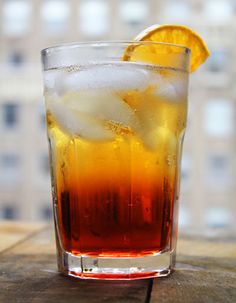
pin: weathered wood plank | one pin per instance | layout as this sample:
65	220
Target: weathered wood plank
13	232
206	272
29	274
210	280
34	279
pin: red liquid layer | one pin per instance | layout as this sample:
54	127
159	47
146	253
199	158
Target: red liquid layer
115	220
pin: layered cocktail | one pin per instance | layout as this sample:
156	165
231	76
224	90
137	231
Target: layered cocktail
115	129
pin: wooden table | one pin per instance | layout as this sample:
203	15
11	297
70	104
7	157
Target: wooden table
28	273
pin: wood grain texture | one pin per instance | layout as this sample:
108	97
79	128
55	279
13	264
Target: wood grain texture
28	273
198	279
34	279
11	233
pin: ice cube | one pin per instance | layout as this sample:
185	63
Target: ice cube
78	123
172	88
128	76
103	105
50	77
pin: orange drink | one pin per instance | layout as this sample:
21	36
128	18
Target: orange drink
116	117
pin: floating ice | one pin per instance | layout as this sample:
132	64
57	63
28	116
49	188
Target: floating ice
50	79
80	124
102	104
86	101
121	76
88	113
172	88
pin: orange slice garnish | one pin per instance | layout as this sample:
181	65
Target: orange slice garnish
174	34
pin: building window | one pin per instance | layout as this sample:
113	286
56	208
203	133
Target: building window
177	11
218	11
16	59
218	61
9	212
55	15
218	163
16	17
219	171
218	217
134	12
46	213
9	169
93	18
219	118
10	115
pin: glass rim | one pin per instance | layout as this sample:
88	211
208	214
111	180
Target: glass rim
74	45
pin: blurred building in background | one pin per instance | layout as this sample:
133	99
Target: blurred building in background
209	162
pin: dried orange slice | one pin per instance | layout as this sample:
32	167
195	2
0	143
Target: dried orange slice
174	34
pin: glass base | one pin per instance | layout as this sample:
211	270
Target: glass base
122	268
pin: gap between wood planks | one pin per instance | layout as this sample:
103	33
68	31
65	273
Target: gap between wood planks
149	291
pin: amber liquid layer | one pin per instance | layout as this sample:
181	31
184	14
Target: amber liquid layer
117	197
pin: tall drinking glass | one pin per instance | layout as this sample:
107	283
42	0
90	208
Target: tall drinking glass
115	128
